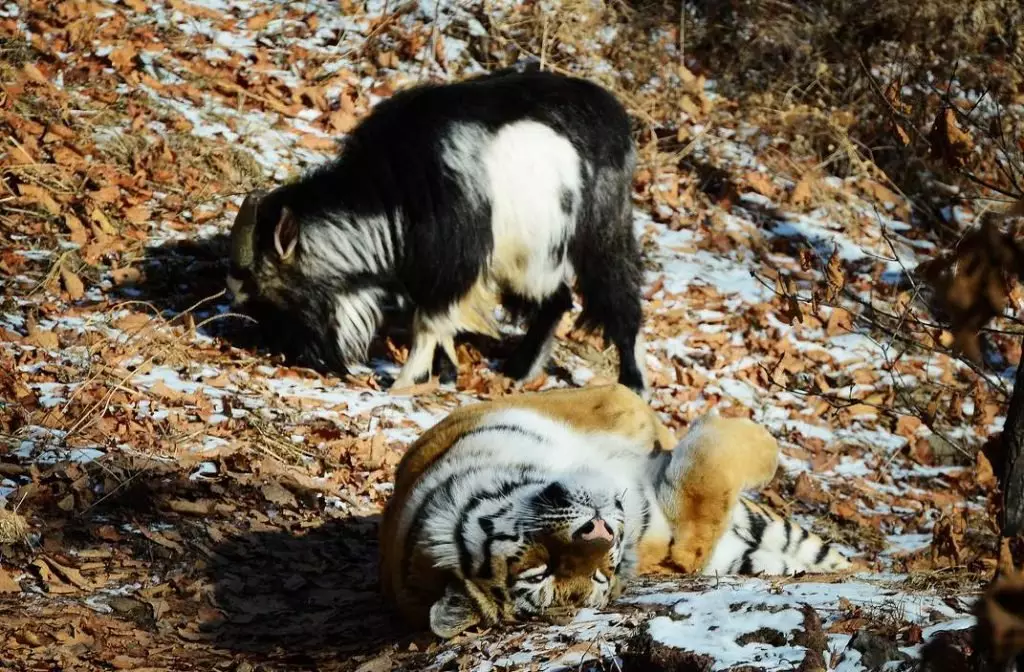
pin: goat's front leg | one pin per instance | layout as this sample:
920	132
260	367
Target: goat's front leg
427	334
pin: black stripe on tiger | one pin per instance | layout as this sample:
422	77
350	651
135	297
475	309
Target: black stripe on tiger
416	525
487	525
822	553
516	429
503	490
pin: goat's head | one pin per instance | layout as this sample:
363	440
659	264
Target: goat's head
264	241
294	263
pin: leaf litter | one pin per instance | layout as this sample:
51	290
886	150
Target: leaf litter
176	497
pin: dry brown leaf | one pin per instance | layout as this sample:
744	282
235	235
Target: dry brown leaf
138	214
275	493
40	196
123	58
317	143
102	222
73	285
949	143
761	183
259	21
160	389
122	662
8	584
791	311
79	234
835	279
803	190
907	426
840	321
880	192
807	490
34	74
342	121
133	322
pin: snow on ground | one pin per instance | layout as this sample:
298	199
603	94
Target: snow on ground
116	372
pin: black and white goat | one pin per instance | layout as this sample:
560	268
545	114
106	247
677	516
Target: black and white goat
452	198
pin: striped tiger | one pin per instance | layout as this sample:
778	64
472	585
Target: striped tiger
535	505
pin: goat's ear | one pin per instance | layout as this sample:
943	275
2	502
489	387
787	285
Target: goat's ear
453	613
286	234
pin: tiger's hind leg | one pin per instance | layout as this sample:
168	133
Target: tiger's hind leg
698	484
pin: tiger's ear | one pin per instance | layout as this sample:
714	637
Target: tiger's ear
453	613
286	234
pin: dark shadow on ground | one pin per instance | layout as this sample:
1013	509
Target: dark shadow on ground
298	597
291	586
189	275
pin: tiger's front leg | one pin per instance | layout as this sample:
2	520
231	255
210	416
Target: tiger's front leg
699	482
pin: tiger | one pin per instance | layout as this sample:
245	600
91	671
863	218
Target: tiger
535	505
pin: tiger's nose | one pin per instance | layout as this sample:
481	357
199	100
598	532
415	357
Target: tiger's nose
594	530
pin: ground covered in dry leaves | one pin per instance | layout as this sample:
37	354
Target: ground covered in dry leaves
174	497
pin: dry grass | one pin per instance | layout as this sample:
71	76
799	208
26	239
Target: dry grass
13	527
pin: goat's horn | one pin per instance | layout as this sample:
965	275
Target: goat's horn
244	228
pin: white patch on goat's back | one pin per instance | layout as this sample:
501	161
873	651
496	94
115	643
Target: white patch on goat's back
531	170
526	171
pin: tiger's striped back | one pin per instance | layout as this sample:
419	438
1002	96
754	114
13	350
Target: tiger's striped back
760	541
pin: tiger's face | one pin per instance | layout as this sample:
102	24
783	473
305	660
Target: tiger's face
555	550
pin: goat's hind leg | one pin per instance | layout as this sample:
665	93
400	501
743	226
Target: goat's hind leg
610	283
534	350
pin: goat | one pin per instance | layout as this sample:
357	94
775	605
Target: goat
455	198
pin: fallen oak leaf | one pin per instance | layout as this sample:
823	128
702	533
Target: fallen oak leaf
102	222
949	143
760	183
317	143
73	285
835	279
69	574
275	493
8	584
34	74
39	196
138	214
79	234
803	190
123	58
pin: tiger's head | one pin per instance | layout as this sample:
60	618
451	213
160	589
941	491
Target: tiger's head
556	547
